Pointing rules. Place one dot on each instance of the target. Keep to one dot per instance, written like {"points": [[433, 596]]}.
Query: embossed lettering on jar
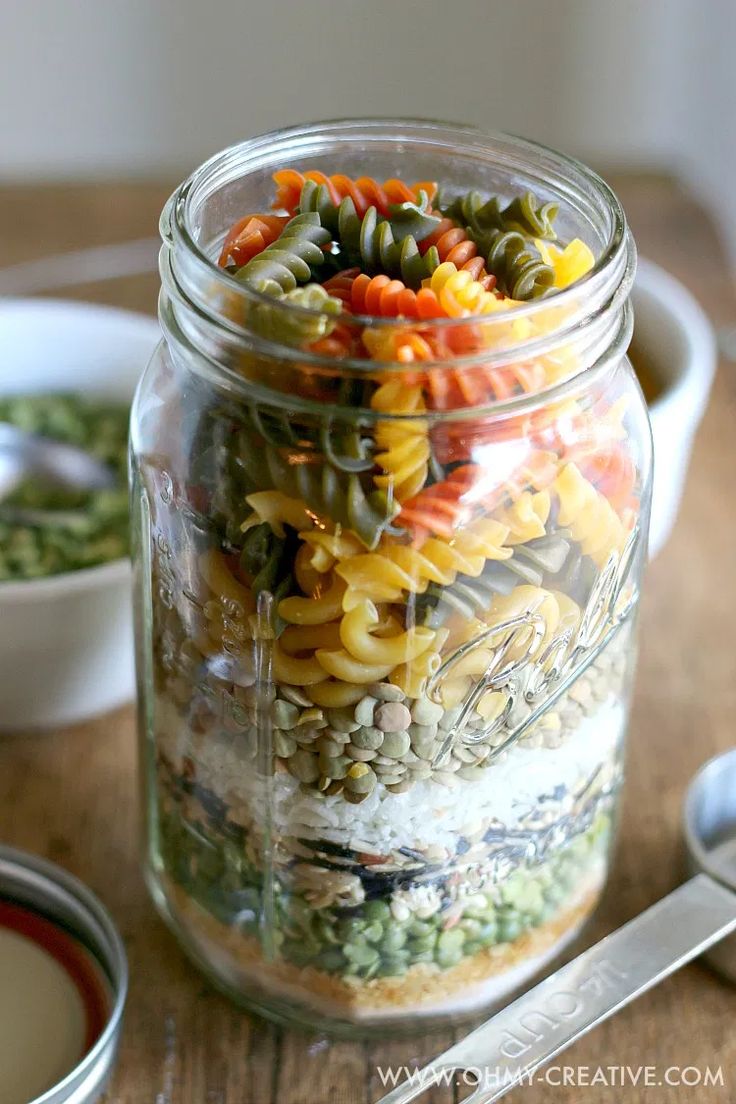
{"points": [[390, 530]]}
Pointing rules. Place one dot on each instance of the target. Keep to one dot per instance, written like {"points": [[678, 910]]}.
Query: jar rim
{"points": [[607, 281]]}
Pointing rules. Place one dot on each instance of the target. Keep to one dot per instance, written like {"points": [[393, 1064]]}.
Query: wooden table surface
{"points": [[71, 795]]}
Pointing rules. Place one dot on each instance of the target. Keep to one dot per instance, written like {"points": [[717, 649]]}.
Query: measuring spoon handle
{"points": [[526, 1035]]}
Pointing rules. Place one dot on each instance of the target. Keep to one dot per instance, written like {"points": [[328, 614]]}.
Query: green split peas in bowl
{"points": [[85, 527]]}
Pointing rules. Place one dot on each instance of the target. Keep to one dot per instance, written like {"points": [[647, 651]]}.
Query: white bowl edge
{"points": [[71, 655], [675, 332]]}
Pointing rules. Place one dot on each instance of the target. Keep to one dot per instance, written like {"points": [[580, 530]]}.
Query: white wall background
{"points": [[154, 86]]}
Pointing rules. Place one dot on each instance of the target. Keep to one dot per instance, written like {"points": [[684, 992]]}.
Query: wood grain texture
{"points": [[72, 795]]}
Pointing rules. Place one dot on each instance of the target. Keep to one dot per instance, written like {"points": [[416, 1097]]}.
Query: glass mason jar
{"points": [[385, 603]]}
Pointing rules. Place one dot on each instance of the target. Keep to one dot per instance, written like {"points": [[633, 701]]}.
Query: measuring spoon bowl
{"points": [[709, 830]]}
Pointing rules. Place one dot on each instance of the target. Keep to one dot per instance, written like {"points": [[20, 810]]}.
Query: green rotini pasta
{"points": [[342, 220], [278, 323], [525, 214], [515, 262], [413, 219], [344, 447], [289, 259], [381, 251], [504, 236], [269, 560], [329, 491], [375, 243]]}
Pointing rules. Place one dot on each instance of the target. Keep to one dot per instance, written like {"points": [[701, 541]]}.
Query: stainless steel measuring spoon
{"points": [[527, 1034]]}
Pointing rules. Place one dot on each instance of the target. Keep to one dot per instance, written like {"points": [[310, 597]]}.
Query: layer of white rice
{"points": [[523, 783]]}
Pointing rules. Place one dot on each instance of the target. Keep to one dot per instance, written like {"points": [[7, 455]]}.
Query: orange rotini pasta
{"points": [[453, 243], [250, 236], [364, 192]]}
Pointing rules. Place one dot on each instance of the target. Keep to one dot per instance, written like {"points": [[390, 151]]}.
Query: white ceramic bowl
{"points": [[66, 642], [677, 339]]}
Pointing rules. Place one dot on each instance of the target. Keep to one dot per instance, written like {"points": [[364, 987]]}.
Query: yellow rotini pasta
{"points": [[526, 600], [213, 569], [543, 615], [570, 612], [305, 573], [317, 609], [460, 295], [326, 548], [395, 569], [462, 629], [294, 670], [613, 418], [568, 264], [526, 517], [588, 515], [307, 638], [413, 677], [277, 509], [360, 639], [559, 613], [403, 443], [402, 346], [341, 665]]}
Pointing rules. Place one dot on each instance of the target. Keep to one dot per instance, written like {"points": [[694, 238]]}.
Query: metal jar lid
{"points": [[44, 889]]}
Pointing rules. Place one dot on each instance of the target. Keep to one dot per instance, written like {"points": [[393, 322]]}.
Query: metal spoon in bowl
{"points": [[509, 1048], [24, 454]]}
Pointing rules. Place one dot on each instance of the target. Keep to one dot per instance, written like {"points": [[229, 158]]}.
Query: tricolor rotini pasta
{"points": [[389, 541]]}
